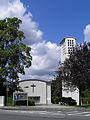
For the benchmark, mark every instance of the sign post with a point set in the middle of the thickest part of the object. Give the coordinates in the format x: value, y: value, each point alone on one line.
x: 20, y: 96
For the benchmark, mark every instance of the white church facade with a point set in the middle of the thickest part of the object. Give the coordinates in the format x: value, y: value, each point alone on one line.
x: 39, y: 90
x: 67, y: 45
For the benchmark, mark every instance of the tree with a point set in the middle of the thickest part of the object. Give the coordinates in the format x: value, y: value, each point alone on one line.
x: 56, y: 90
x: 14, y: 54
x: 75, y: 71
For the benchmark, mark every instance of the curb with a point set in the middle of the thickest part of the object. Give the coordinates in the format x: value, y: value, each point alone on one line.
x: 42, y: 108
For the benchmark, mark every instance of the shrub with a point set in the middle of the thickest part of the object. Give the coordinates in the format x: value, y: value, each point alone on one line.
x: 10, y: 101
x: 56, y: 99
x: 21, y: 102
x: 86, y: 100
x: 31, y: 102
x: 67, y: 101
x: 24, y: 103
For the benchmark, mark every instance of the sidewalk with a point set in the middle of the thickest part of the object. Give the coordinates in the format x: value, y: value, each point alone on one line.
x: 42, y: 108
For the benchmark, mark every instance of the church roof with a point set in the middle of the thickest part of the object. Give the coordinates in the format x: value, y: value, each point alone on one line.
x: 66, y: 38
x: 35, y: 80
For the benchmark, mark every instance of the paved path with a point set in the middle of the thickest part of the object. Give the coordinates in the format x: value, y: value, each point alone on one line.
x: 45, y: 108
x: 44, y: 115
x: 52, y: 113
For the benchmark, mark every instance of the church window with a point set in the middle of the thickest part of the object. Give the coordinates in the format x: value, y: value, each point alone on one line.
x: 26, y: 87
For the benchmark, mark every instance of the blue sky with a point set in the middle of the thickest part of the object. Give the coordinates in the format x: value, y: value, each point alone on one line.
x: 60, y: 18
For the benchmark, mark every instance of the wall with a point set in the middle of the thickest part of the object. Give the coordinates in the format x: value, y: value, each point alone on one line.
x: 48, y: 93
x: 39, y: 90
x: 73, y: 94
x: 1, y: 100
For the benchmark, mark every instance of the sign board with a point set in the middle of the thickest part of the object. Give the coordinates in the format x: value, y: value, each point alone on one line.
x: 20, y: 96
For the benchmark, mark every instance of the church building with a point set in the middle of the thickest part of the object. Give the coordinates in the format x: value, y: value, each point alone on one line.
x: 38, y: 90
x: 67, y: 45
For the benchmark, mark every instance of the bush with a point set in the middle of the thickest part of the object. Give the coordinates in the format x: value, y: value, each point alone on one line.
x: 10, y: 101
x: 24, y: 103
x: 31, y: 102
x: 21, y: 102
x: 56, y: 99
x: 67, y: 101
x: 86, y: 100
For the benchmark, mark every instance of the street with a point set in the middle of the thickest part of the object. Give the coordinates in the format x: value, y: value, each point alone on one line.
x: 44, y: 115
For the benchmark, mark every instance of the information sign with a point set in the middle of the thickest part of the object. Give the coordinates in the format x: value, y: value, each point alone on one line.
x: 20, y: 96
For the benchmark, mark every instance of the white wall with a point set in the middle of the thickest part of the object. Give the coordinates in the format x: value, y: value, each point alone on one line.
x: 1, y: 100
x: 73, y: 94
x: 40, y: 90
x: 48, y: 93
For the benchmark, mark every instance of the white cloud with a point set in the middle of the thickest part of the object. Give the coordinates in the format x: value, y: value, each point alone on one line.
x: 15, y: 8
x: 45, y: 61
x: 87, y: 33
x: 45, y: 54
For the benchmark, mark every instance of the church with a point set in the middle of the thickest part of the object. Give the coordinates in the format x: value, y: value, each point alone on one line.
x: 38, y: 90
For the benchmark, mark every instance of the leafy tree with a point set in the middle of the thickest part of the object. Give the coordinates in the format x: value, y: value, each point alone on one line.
x: 14, y: 54
x: 75, y: 71
x: 56, y: 90
x: 87, y: 93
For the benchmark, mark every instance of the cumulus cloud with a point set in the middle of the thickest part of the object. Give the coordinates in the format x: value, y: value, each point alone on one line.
x: 45, y: 54
x: 87, y: 33
x: 15, y: 8
x: 45, y: 61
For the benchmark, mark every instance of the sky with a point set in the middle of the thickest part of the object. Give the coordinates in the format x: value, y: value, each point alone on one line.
x: 60, y: 18
x: 45, y: 23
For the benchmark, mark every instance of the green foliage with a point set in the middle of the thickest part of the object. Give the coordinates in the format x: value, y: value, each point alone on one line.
x: 14, y: 54
x: 87, y: 93
x: 77, y: 67
x: 75, y: 71
x: 31, y: 102
x: 86, y: 101
x: 20, y: 103
x: 56, y: 90
x: 24, y: 102
x: 86, y: 97
x: 67, y: 101
x: 10, y: 101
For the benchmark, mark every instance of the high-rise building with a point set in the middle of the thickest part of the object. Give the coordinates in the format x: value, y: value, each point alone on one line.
x: 67, y: 45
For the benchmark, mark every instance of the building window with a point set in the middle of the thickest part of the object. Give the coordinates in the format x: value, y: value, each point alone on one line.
x: 68, y: 43
x: 26, y: 87
x: 36, y: 99
x: 68, y: 50
x: 72, y: 42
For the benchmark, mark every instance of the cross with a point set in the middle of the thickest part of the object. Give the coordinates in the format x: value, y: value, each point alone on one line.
x: 33, y: 86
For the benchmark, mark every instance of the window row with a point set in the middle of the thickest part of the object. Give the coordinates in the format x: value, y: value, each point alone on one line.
x: 70, y: 43
x: 70, y: 49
